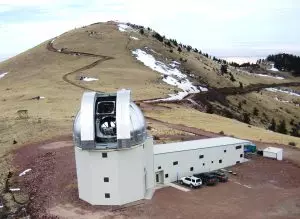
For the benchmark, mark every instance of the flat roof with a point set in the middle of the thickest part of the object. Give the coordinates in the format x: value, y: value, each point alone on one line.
x: 197, y: 144
x: 272, y: 149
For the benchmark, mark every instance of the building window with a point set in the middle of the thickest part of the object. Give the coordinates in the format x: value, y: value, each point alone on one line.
x: 166, y: 175
x: 106, y: 179
x: 203, y: 164
x: 175, y: 163
x: 201, y: 156
x: 238, y: 147
x: 241, y: 155
x: 159, y: 167
x: 220, y: 161
x: 192, y: 169
x: 107, y: 195
x: 225, y: 151
x: 237, y: 162
x: 212, y: 161
x: 104, y: 155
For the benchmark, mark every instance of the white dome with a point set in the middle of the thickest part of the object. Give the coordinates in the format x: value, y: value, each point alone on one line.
x: 136, y: 126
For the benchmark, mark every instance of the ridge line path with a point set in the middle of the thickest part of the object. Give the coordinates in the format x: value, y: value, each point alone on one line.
x: 103, y: 58
x: 226, y: 91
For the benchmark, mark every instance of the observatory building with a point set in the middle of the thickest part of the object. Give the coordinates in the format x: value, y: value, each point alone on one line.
x: 116, y: 161
x: 114, y: 155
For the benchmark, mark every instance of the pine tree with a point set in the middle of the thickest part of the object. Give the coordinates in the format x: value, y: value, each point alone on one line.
x: 255, y: 111
x: 246, y: 118
x: 272, y: 127
x: 223, y: 69
x: 240, y: 105
x: 282, y: 127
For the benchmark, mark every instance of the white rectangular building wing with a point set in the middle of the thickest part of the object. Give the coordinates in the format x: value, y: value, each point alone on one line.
x: 273, y: 152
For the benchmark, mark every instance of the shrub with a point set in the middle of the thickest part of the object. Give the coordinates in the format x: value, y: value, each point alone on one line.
x: 171, y: 50
x: 282, y: 127
x: 168, y: 43
x: 273, y: 125
x: 158, y: 37
x: 246, y: 118
x: 232, y: 78
x: 223, y: 69
x: 240, y: 105
x: 210, y: 109
x: 255, y: 111
x: 142, y: 31
x: 241, y: 85
x: 155, y: 137
x: 179, y: 49
x: 188, y: 48
x: 295, y: 132
x: 292, y: 143
x: 221, y: 133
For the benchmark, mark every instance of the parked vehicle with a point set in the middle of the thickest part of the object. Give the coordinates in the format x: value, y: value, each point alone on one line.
x: 193, y: 182
x: 221, y: 176
x: 207, y: 178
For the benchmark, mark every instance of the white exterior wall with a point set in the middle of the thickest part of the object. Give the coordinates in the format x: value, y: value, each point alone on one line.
x: 269, y: 154
x: 275, y: 153
x: 149, y: 163
x: 125, y: 169
x: 190, y: 158
x: 280, y: 154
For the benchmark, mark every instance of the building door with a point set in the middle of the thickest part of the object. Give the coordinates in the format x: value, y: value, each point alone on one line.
x: 159, y: 177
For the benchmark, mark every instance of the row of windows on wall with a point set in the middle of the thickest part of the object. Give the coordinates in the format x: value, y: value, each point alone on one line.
x: 201, y: 156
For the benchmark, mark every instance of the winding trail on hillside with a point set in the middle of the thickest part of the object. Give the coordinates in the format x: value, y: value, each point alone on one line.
x: 102, y: 58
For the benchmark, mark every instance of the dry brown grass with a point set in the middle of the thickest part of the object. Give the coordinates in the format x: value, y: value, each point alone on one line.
x: 38, y: 72
x: 215, y: 123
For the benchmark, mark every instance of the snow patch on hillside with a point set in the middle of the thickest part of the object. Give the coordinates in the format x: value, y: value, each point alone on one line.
x: 171, y: 75
x: 88, y: 79
x: 3, y: 74
x: 273, y: 68
x: 270, y: 76
x: 279, y: 100
x: 283, y: 91
x: 261, y: 75
x: 24, y: 172
x: 134, y: 38
x: 124, y: 27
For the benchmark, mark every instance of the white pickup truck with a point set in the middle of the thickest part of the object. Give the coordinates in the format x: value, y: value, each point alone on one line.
x: 191, y: 181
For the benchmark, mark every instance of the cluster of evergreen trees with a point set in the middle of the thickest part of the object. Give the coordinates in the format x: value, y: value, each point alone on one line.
x: 281, y: 127
x: 286, y: 62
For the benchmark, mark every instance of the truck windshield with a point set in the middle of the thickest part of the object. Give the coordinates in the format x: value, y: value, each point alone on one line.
x: 198, y: 180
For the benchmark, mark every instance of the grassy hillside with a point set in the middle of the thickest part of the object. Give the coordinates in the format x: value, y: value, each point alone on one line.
x: 55, y: 76
x: 214, y: 123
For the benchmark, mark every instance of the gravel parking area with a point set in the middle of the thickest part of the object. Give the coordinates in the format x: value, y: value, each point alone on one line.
x: 262, y: 188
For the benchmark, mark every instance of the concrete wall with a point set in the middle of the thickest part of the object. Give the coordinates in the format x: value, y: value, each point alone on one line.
x: 190, y: 158
x: 131, y: 186
x: 129, y: 172
x: 149, y: 163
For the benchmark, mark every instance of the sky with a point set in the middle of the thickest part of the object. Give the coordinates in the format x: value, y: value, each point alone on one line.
x: 224, y: 28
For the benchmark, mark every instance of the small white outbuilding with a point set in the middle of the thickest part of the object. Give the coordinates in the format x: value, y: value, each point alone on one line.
x: 272, y: 152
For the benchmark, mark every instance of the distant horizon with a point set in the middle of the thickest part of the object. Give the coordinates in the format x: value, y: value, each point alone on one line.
x: 233, y: 28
